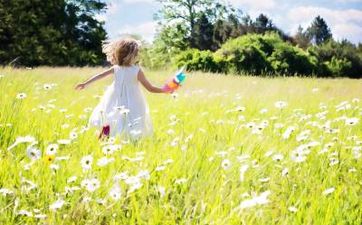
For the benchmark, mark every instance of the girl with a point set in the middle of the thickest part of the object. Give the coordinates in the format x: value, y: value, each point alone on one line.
x: 123, y: 108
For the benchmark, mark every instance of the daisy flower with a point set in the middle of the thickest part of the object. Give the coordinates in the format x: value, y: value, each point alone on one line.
x: 52, y: 149
x: 86, y: 162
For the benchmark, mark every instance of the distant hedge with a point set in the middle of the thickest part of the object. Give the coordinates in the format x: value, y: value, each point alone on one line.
x: 269, y: 54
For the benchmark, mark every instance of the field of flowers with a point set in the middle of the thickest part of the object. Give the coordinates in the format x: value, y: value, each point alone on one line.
x: 226, y: 150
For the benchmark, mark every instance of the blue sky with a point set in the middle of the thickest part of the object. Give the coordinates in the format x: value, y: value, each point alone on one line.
x: 343, y: 16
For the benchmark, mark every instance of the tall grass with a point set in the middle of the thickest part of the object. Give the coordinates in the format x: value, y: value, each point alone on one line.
x: 220, y: 154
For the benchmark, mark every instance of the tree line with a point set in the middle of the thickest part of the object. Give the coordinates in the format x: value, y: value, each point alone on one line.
x: 206, y: 35
x: 210, y: 36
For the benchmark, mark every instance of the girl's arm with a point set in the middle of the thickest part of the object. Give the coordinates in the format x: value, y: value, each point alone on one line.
x: 94, y: 78
x: 141, y: 77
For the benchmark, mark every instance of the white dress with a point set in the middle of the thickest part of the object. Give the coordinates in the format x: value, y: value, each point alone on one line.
x: 123, y: 106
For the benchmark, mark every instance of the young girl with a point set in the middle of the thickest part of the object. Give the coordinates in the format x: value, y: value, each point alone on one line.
x: 123, y: 108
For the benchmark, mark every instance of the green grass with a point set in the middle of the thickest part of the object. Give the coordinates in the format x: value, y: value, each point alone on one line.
x: 208, y: 144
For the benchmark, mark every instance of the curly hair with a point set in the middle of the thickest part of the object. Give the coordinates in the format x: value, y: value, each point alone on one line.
x: 122, y: 52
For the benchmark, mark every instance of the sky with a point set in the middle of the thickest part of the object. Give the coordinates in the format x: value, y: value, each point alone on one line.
x: 344, y: 17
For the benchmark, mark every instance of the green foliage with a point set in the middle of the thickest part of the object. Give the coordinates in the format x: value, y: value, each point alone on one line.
x: 339, y: 67
x: 269, y: 54
x: 54, y: 32
x: 290, y: 60
x: 195, y: 59
x: 319, y: 32
x: 334, y: 55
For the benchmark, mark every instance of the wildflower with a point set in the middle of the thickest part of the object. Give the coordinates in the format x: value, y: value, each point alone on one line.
x: 257, y: 200
x: 292, y: 209
x: 278, y: 157
x: 5, y: 191
x: 47, y: 87
x: 52, y: 149
x: 104, y: 161
x: 21, y: 96
x: 144, y: 174
x: 71, y: 179
x: 226, y: 164
x: 73, y: 135
x: 120, y: 176
x: 57, y: 205
x: 280, y: 104
x: 285, y: 172
x: 333, y: 161
x: 90, y: 184
x: 33, y: 153
x: 351, y: 121
x: 24, y: 212
x: 328, y: 191
x: 115, y: 193
x: 86, y: 162
x: 49, y: 158
x: 54, y: 167
x: 288, y: 132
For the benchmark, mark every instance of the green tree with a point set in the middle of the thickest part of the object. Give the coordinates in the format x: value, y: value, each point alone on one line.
x: 319, y: 32
x: 203, y: 33
x: 53, y: 32
x: 301, y: 39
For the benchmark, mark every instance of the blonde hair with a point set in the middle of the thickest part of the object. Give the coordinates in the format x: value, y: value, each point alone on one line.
x: 122, y: 52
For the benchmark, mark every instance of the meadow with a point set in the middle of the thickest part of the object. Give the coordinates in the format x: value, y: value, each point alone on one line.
x: 225, y: 150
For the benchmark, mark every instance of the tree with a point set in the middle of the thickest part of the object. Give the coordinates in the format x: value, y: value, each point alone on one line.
x: 301, y: 38
x: 186, y: 13
x: 53, y: 32
x: 319, y: 31
x: 203, y: 33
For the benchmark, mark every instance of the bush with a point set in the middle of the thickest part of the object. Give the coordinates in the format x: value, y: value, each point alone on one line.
x: 195, y: 59
x: 339, y: 67
x: 289, y: 60
x: 269, y: 54
x: 335, y: 57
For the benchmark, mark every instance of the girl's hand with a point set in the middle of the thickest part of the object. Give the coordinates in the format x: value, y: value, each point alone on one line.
x: 80, y: 86
x: 166, y: 89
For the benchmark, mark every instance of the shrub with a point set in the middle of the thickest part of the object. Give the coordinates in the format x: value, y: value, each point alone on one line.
x: 195, y: 59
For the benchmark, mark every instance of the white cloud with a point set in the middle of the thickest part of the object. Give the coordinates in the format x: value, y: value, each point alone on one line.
x: 255, y: 4
x: 343, y: 23
x: 147, y: 30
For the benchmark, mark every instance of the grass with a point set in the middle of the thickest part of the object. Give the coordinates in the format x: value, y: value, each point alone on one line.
x: 191, y: 166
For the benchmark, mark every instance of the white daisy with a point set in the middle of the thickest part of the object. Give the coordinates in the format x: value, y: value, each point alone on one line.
x: 280, y: 104
x: 351, y: 121
x: 33, y: 153
x: 52, y: 149
x: 57, y: 205
x: 90, y: 184
x: 21, y: 95
x: 292, y: 209
x: 86, y: 162
x: 115, y: 193
x: 226, y: 164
